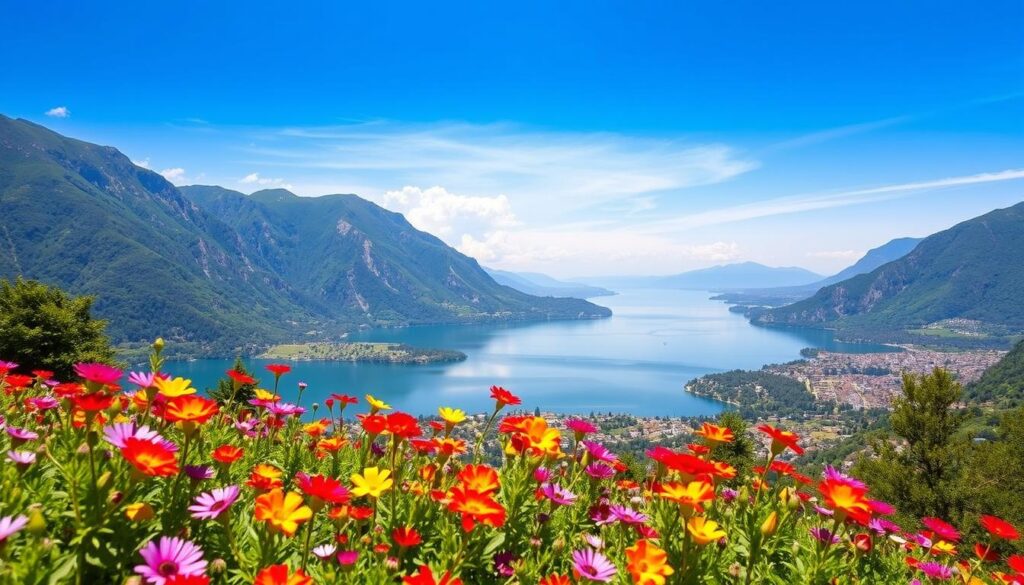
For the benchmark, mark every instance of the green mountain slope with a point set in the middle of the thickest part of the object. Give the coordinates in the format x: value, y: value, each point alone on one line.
x: 83, y: 217
x: 1003, y: 383
x: 972, y: 272
x: 875, y: 257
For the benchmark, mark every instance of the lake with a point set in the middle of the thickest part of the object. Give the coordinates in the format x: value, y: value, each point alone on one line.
x: 637, y: 361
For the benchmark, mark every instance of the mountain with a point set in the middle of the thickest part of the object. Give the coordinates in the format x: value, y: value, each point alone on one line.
x: 1003, y: 383
x: 964, y: 281
x: 83, y: 217
x: 740, y: 275
x: 542, y: 285
x: 784, y: 295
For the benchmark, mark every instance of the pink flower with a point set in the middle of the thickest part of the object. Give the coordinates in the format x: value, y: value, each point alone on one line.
x: 598, y: 470
x: 936, y: 570
x: 580, y: 427
x: 599, y: 452
x: 44, y: 402
x: 9, y: 526
x: 213, y: 503
x: 558, y: 494
x: 542, y: 474
x: 23, y: 458
x: 627, y: 515
x: 118, y: 434
x: 594, y: 541
x: 348, y: 557
x: 172, y: 556
x: 99, y: 373
x: 592, y: 565
x: 7, y: 367
x: 941, y: 528
x: 145, y: 379
x: 22, y: 434
x: 836, y: 476
x: 284, y: 409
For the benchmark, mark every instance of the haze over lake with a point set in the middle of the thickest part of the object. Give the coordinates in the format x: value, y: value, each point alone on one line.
x: 637, y: 361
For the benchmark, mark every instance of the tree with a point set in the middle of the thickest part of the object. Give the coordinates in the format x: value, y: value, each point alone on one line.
x: 42, y: 327
x: 225, y: 389
x: 917, y: 470
x: 740, y: 452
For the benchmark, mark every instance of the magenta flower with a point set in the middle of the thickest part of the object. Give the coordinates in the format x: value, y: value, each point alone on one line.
x: 592, y: 565
x: 99, y: 373
x: 9, y: 526
x: 44, y: 402
x: 729, y: 495
x: 627, y: 515
x: 598, y: 470
x: 833, y: 474
x: 348, y: 558
x: 213, y: 503
x: 936, y: 571
x: 22, y: 458
x: 145, y: 379
x: 118, y: 434
x: 7, y: 366
x: 599, y: 452
x: 172, y: 556
x: 22, y: 434
x: 824, y: 535
x: 281, y: 409
x: 558, y: 494
x: 199, y: 472
x: 542, y: 474
x: 823, y: 511
x: 580, y: 427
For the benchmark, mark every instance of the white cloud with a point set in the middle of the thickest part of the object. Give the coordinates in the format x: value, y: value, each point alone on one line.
x: 256, y: 179
x: 449, y: 216
x: 836, y: 254
x: 59, y: 112
x: 144, y: 163
x: 175, y: 175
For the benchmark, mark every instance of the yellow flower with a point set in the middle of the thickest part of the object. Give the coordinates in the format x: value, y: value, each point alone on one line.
x: 139, y: 511
x: 265, y: 395
x: 283, y: 511
x: 373, y: 482
x: 770, y: 524
x: 452, y: 416
x: 174, y: 387
x: 703, y: 530
x: 376, y: 405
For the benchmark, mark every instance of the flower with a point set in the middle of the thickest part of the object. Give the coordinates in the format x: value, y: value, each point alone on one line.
x: 10, y: 525
x: 846, y: 498
x: 942, y: 528
x: 99, y: 374
x: 139, y: 511
x: 580, y: 427
x: 425, y: 576
x: 555, y: 579
x: 935, y: 570
x: 227, y: 454
x: 324, y: 551
x: 283, y: 511
x: 376, y: 405
x: 278, y: 369
x: 240, y: 378
x: 476, y: 507
x: 171, y: 557
x: 150, y: 457
x: 323, y: 490
x: 715, y: 434
x: 824, y: 535
x: 372, y: 482
x: 598, y: 470
x: 692, y: 494
x: 93, y: 402
x: 402, y: 425
x: 503, y: 398
x: 647, y: 564
x: 406, y: 536
x: 213, y: 503
x: 627, y: 515
x: 781, y: 440
x: 278, y: 575
x: 265, y: 476
x: 22, y: 458
x: 174, y: 387
x: 557, y: 494
x: 190, y: 409
x: 117, y: 435
x: 703, y: 530
x: 452, y: 416
x: 479, y: 478
x: 592, y: 565
x: 999, y: 528
x: 144, y: 379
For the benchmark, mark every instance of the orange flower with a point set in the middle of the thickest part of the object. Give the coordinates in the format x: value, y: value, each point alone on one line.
x: 534, y: 435
x: 151, y: 458
x: 426, y: 577
x: 503, y: 398
x: 647, y: 564
x: 555, y: 580
x: 691, y: 495
x: 479, y: 478
x: 190, y: 408
x: 227, y: 454
x: 278, y: 575
x: 781, y: 440
x: 265, y: 477
x: 332, y: 444
x: 476, y: 508
x: 715, y: 434
x: 317, y: 428
x: 846, y: 498
x: 283, y: 511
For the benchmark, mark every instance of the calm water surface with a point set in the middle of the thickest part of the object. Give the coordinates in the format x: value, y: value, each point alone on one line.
x: 637, y: 361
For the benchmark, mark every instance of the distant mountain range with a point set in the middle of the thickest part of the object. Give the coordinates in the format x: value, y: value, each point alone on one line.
x: 965, y: 281
x: 783, y: 295
x: 542, y: 285
x: 740, y: 275
x: 226, y: 270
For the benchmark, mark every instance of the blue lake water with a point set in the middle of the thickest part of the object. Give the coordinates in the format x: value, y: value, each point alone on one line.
x: 637, y: 361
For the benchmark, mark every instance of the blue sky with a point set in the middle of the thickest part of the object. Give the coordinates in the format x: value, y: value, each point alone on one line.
x: 572, y: 137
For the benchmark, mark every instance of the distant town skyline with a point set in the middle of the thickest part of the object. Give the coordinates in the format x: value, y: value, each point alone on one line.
x: 605, y: 142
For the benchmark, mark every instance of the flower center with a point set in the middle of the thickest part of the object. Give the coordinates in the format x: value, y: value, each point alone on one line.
x: 167, y: 568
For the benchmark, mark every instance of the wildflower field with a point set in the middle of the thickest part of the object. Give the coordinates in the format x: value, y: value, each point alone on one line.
x: 154, y: 483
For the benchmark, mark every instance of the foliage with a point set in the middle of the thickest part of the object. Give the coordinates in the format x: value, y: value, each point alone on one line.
x: 1003, y: 383
x: 164, y: 484
x: 227, y: 389
x: 759, y: 394
x: 43, y: 328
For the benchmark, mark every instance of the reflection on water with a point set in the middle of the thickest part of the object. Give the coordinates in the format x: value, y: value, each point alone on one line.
x: 637, y: 361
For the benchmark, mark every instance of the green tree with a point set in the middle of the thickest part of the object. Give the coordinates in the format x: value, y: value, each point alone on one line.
x: 42, y: 327
x: 740, y: 452
x: 917, y: 469
x: 224, y: 390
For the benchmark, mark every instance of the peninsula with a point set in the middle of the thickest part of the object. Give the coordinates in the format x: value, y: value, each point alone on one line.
x: 393, y: 353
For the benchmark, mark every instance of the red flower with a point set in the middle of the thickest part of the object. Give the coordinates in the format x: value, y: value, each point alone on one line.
x: 945, y: 530
x: 345, y: 399
x: 227, y: 454
x: 322, y: 488
x: 42, y: 374
x: 504, y: 398
x: 781, y: 440
x: 241, y: 378
x: 149, y: 457
x: 278, y: 575
x: 985, y: 552
x: 1016, y: 563
x: 18, y: 381
x: 406, y: 536
x: 403, y: 425
x: 862, y: 542
x: 373, y: 424
x: 426, y: 577
x: 187, y: 580
x: 999, y: 528
x: 278, y: 369
x: 93, y: 402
